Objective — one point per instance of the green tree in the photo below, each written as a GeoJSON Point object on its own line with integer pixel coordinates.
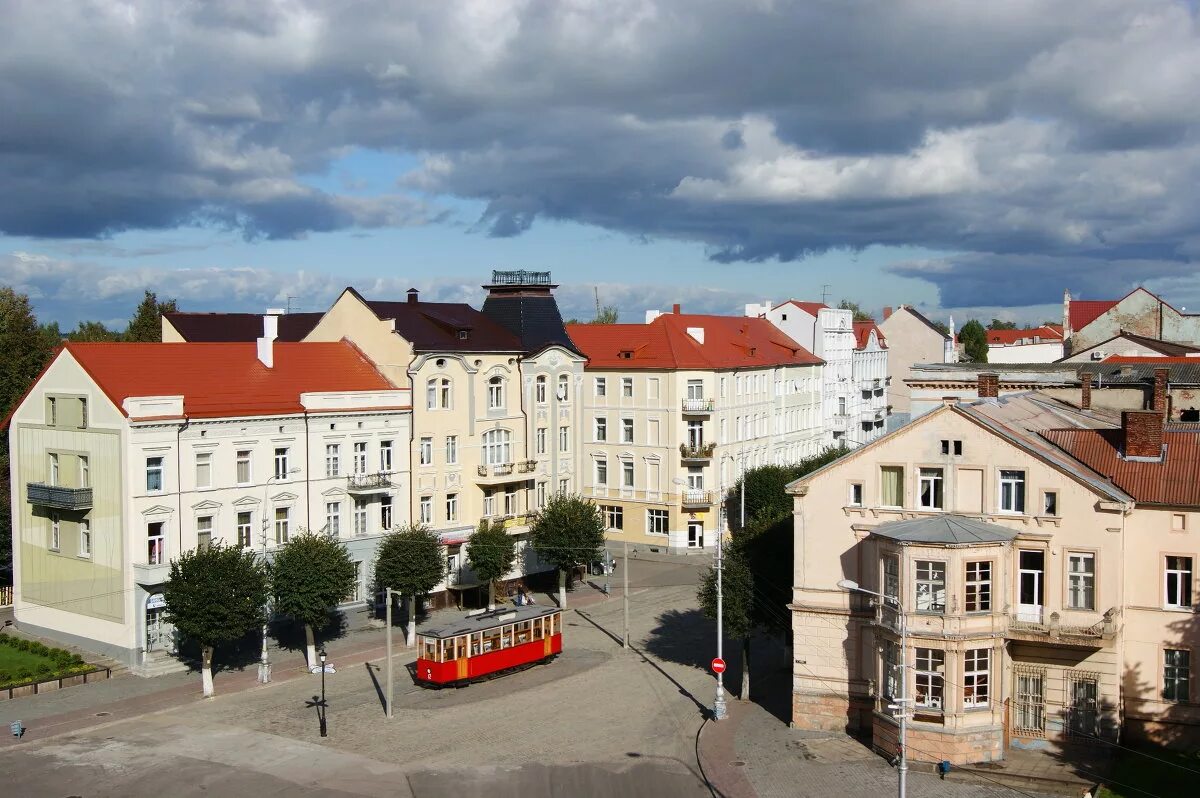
{"type": "Point", "coordinates": [737, 604]}
{"type": "Point", "coordinates": [213, 596]}
{"type": "Point", "coordinates": [607, 315]}
{"type": "Point", "coordinates": [569, 530]}
{"type": "Point", "coordinates": [411, 561]}
{"type": "Point", "coordinates": [766, 494]}
{"type": "Point", "coordinates": [93, 331]}
{"type": "Point", "coordinates": [998, 324]}
{"type": "Point", "coordinates": [859, 313]}
{"type": "Point", "coordinates": [973, 338]}
{"type": "Point", "coordinates": [490, 554]}
{"type": "Point", "coordinates": [311, 574]}
{"type": "Point", "coordinates": [146, 324]}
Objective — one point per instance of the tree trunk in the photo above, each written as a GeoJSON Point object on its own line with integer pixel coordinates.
{"type": "Point", "coordinates": [311, 644]}
{"type": "Point", "coordinates": [206, 670]}
{"type": "Point", "coordinates": [562, 588]}
{"type": "Point", "coordinates": [746, 668]}
{"type": "Point", "coordinates": [411, 639]}
{"type": "Point", "coordinates": [491, 594]}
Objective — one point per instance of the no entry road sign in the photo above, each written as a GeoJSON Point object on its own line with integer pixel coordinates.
{"type": "Point", "coordinates": [718, 665]}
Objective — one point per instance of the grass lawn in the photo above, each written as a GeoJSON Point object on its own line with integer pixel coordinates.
{"type": "Point", "coordinates": [1135, 776]}
{"type": "Point", "coordinates": [12, 660]}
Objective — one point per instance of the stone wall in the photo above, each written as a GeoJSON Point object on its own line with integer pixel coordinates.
{"type": "Point", "coordinates": [933, 745]}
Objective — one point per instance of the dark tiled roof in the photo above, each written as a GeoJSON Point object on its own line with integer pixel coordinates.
{"type": "Point", "coordinates": [234, 327]}
{"type": "Point", "coordinates": [949, 528]}
{"type": "Point", "coordinates": [533, 318]}
{"type": "Point", "coordinates": [436, 327]}
{"type": "Point", "coordinates": [1174, 480]}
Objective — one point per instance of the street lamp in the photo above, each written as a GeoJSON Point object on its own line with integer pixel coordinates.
{"type": "Point", "coordinates": [264, 663]}
{"type": "Point", "coordinates": [901, 705]}
{"type": "Point", "coordinates": [323, 707]}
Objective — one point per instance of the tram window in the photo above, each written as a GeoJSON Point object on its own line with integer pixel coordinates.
{"type": "Point", "coordinates": [522, 630]}
{"type": "Point", "coordinates": [506, 636]}
{"type": "Point", "coordinates": [476, 642]}
{"type": "Point", "coordinates": [429, 649]}
{"type": "Point", "coordinates": [491, 640]}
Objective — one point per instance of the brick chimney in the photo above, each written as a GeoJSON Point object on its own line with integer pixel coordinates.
{"type": "Point", "coordinates": [989, 386]}
{"type": "Point", "coordinates": [1160, 393]}
{"type": "Point", "coordinates": [675, 309]}
{"type": "Point", "coordinates": [1142, 431]}
{"type": "Point", "coordinates": [887, 311]}
{"type": "Point", "coordinates": [1085, 389]}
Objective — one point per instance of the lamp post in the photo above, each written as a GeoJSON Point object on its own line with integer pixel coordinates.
{"type": "Point", "coordinates": [901, 705]}
{"type": "Point", "coordinates": [323, 707]}
{"type": "Point", "coordinates": [264, 663]}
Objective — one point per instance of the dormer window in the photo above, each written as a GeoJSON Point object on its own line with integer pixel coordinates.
{"type": "Point", "coordinates": [462, 334]}
{"type": "Point", "coordinates": [625, 354]}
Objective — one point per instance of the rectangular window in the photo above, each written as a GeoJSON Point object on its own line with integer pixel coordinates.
{"type": "Point", "coordinates": [333, 518]}
{"type": "Point", "coordinates": [51, 411]}
{"type": "Point", "coordinates": [652, 387]}
{"type": "Point", "coordinates": [426, 510]}
{"type": "Point", "coordinates": [601, 386]}
{"type": "Point", "coordinates": [245, 530]}
{"type": "Point", "coordinates": [945, 446]}
{"type": "Point", "coordinates": [892, 672]}
{"type": "Point", "coordinates": [931, 586]}
{"type": "Point", "coordinates": [539, 393]}
{"type": "Point", "coordinates": [564, 439]}
{"type": "Point", "coordinates": [695, 390]}
{"type": "Point", "coordinates": [657, 521]}
{"type": "Point", "coordinates": [489, 504]}
{"type": "Point", "coordinates": [1081, 580]}
{"type": "Point", "coordinates": [243, 467]}
{"type": "Point", "coordinates": [333, 460]}
{"type": "Point", "coordinates": [204, 469]}
{"type": "Point", "coordinates": [601, 429]}
{"type": "Point", "coordinates": [283, 525]}
{"type": "Point", "coordinates": [1177, 674]}
{"type": "Point", "coordinates": [85, 538]}
{"type": "Point", "coordinates": [1178, 582]}
{"type": "Point", "coordinates": [540, 440]}
{"type": "Point", "coordinates": [385, 513]}
{"type": "Point", "coordinates": [614, 516]}
{"type": "Point", "coordinates": [929, 495]}
{"type": "Point", "coordinates": [360, 517]}
{"type": "Point", "coordinates": [891, 576]}
{"type": "Point", "coordinates": [510, 502]}
{"type": "Point", "coordinates": [451, 450]}
{"type": "Point", "coordinates": [154, 474]}
{"type": "Point", "coordinates": [626, 473]}
{"type": "Point", "coordinates": [979, 586]}
{"type": "Point", "coordinates": [204, 531]}
{"type": "Point", "coordinates": [564, 486]}
{"type": "Point", "coordinates": [360, 458]}
{"type": "Point", "coordinates": [85, 472]}
{"type": "Point", "coordinates": [156, 549]}
{"type": "Point", "coordinates": [627, 387]}
{"type": "Point", "coordinates": [930, 677]}
{"type": "Point", "coordinates": [856, 494]}
{"type": "Point", "coordinates": [426, 451]}
{"type": "Point", "coordinates": [1050, 503]}
{"type": "Point", "coordinates": [627, 430]}
{"type": "Point", "coordinates": [281, 463]}
{"type": "Point", "coordinates": [541, 495]}
{"type": "Point", "coordinates": [891, 486]}
{"type": "Point", "coordinates": [385, 457]}
{"type": "Point", "coordinates": [56, 478]}
{"type": "Point", "coordinates": [976, 687]}
{"type": "Point", "coordinates": [1012, 491]}
{"type": "Point", "coordinates": [958, 448]}
{"type": "Point", "coordinates": [452, 506]}
{"type": "Point", "coordinates": [601, 471]}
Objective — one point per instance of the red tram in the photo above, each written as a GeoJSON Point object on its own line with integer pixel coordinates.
{"type": "Point", "coordinates": [488, 644]}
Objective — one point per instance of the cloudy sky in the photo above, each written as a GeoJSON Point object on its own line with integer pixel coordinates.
{"type": "Point", "coordinates": [965, 157]}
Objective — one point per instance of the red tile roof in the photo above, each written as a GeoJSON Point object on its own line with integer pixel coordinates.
{"type": "Point", "coordinates": [227, 379]}
{"type": "Point", "coordinates": [811, 308]}
{"type": "Point", "coordinates": [729, 342]}
{"type": "Point", "coordinates": [862, 334]}
{"type": "Point", "coordinates": [1047, 334]}
{"type": "Point", "coordinates": [1174, 480]}
{"type": "Point", "coordinates": [1084, 312]}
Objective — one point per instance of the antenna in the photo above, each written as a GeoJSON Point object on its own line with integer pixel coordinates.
{"type": "Point", "coordinates": [289, 303]}
{"type": "Point", "coordinates": [596, 291]}
{"type": "Point", "coordinates": [825, 294]}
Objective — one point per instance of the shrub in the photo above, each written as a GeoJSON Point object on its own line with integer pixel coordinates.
{"type": "Point", "coordinates": [76, 659]}
{"type": "Point", "coordinates": [24, 674]}
{"type": "Point", "coordinates": [22, 644]}
{"type": "Point", "coordinates": [6, 640]}
{"type": "Point", "coordinates": [44, 669]}
{"type": "Point", "coordinates": [5, 676]}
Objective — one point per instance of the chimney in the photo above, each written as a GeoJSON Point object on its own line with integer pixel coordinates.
{"type": "Point", "coordinates": [675, 309]}
{"type": "Point", "coordinates": [887, 311]}
{"type": "Point", "coordinates": [266, 344]}
{"type": "Point", "coordinates": [1160, 393]}
{"type": "Point", "coordinates": [1085, 389]}
{"type": "Point", "coordinates": [412, 296]}
{"type": "Point", "coordinates": [1142, 431]}
{"type": "Point", "coordinates": [989, 386]}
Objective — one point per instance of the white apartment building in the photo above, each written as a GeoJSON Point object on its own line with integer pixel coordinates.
{"type": "Point", "coordinates": [673, 410]}
{"type": "Point", "coordinates": [124, 456]}
{"type": "Point", "coordinates": [869, 375]}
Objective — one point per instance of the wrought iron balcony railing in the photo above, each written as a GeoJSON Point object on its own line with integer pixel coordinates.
{"type": "Point", "coordinates": [367, 482]}
{"type": "Point", "coordinates": [698, 405]}
{"type": "Point", "coordinates": [702, 452]}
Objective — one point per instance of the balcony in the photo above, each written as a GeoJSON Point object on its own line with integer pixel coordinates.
{"type": "Point", "coordinates": [526, 467]}
{"type": "Point", "coordinates": [1021, 626]}
{"type": "Point", "coordinates": [369, 483]}
{"type": "Point", "coordinates": [58, 497]}
{"type": "Point", "coordinates": [698, 407]}
{"type": "Point", "coordinates": [872, 416]}
{"type": "Point", "coordinates": [693, 497]}
{"type": "Point", "coordinates": [497, 472]}
{"type": "Point", "coordinates": [839, 422]}
{"type": "Point", "coordinates": [704, 451]}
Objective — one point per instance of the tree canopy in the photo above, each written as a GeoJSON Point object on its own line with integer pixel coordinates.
{"type": "Point", "coordinates": [859, 313]}
{"type": "Point", "coordinates": [568, 530]}
{"type": "Point", "coordinates": [146, 324]}
{"type": "Point", "coordinates": [737, 594]}
{"type": "Point", "coordinates": [607, 315]}
{"type": "Point", "coordinates": [411, 561]}
{"type": "Point", "coordinates": [767, 499]}
{"type": "Point", "coordinates": [998, 324]}
{"type": "Point", "coordinates": [973, 338]}
{"type": "Point", "coordinates": [311, 574]}
{"type": "Point", "coordinates": [491, 552]}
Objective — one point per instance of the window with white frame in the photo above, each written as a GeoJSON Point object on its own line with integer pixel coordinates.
{"type": "Point", "coordinates": [426, 510]}
{"type": "Point", "coordinates": [360, 457]}
{"type": "Point", "coordinates": [204, 532]}
{"type": "Point", "coordinates": [541, 495]}
{"type": "Point", "coordinates": [437, 394]}
{"type": "Point", "coordinates": [929, 493]}
{"type": "Point", "coordinates": [563, 394]}
{"type": "Point", "coordinates": [333, 460]}
{"type": "Point", "coordinates": [614, 516]}
{"type": "Point", "coordinates": [930, 679]}
{"type": "Point", "coordinates": [601, 470]}
{"type": "Point", "coordinates": [1178, 587]}
{"type": "Point", "coordinates": [85, 472]}
{"type": "Point", "coordinates": [243, 468]}
{"type": "Point", "coordinates": [892, 672]}
{"type": "Point", "coordinates": [1177, 674]}
{"type": "Point", "coordinates": [489, 504]}
{"type": "Point", "coordinates": [451, 450]}
{"type": "Point", "coordinates": [385, 457]}
{"type": "Point", "coordinates": [600, 429]}
{"type": "Point", "coordinates": [385, 513]}
{"type": "Point", "coordinates": [891, 576]}
{"type": "Point", "coordinates": [856, 494]}
{"type": "Point", "coordinates": [600, 387]}
{"type": "Point", "coordinates": [627, 473]}
{"type": "Point", "coordinates": [495, 393]}
{"type": "Point", "coordinates": [154, 473]}
{"type": "Point", "coordinates": [203, 469]}
{"type": "Point", "coordinates": [539, 389]}
{"type": "Point", "coordinates": [497, 447]}
{"type": "Point", "coordinates": [451, 506]}
{"type": "Point", "coordinates": [281, 463]}
{"type": "Point", "coordinates": [360, 517]}
{"type": "Point", "coordinates": [657, 522]}
{"type": "Point", "coordinates": [539, 438]}
{"type": "Point", "coordinates": [156, 544]}
{"type": "Point", "coordinates": [283, 525]}
{"type": "Point", "coordinates": [333, 518]}
{"type": "Point", "coordinates": [564, 439]}
{"type": "Point", "coordinates": [976, 674]}
{"type": "Point", "coordinates": [1081, 580]}
{"type": "Point", "coordinates": [931, 586]}
{"type": "Point", "coordinates": [564, 486]}
{"type": "Point", "coordinates": [1012, 491]}
{"type": "Point", "coordinates": [431, 394]}
{"type": "Point", "coordinates": [510, 502]}
{"type": "Point", "coordinates": [245, 529]}
{"type": "Point", "coordinates": [85, 538]}
{"type": "Point", "coordinates": [426, 450]}
{"type": "Point", "coordinates": [627, 387]}
{"type": "Point", "coordinates": [627, 430]}
{"type": "Point", "coordinates": [979, 586]}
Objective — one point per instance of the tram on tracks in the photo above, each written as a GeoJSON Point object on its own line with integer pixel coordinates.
{"type": "Point", "coordinates": [488, 644]}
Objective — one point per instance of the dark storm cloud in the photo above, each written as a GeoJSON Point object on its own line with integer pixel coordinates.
{"type": "Point", "coordinates": [1051, 133]}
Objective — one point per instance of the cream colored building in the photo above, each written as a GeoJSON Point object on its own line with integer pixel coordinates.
{"type": "Point", "coordinates": [124, 456]}
{"type": "Point", "coordinates": [1044, 558]}
{"type": "Point", "coordinates": [912, 339]}
{"type": "Point", "coordinates": [672, 410]}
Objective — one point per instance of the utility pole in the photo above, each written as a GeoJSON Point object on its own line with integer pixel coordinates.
{"type": "Point", "coordinates": [625, 591]}
{"type": "Point", "coordinates": [388, 595]}
{"type": "Point", "coordinates": [719, 704]}
{"type": "Point", "coordinates": [596, 292]}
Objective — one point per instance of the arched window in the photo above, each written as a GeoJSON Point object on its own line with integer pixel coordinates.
{"type": "Point", "coordinates": [431, 395]}
{"type": "Point", "coordinates": [495, 393]}
{"type": "Point", "coordinates": [563, 383]}
{"type": "Point", "coordinates": [444, 393]}
{"type": "Point", "coordinates": [497, 447]}
{"type": "Point", "coordinates": [437, 393]}
{"type": "Point", "coordinates": [540, 390]}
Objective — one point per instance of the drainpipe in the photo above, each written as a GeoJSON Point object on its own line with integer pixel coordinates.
{"type": "Point", "coordinates": [308, 479]}
{"type": "Point", "coordinates": [179, 480]}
